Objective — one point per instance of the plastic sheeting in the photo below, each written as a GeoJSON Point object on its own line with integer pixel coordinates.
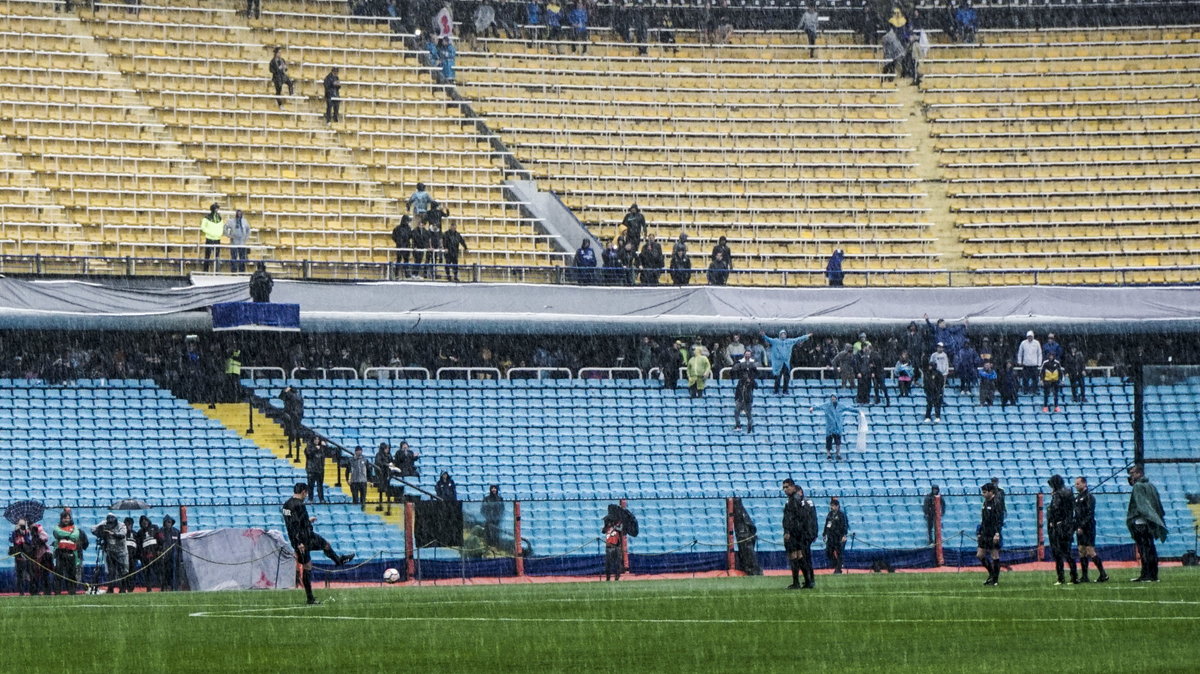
{"type": "Point", "coordinates": [238, 559]}
{"type": "Point", "coordinates": [81, 304]}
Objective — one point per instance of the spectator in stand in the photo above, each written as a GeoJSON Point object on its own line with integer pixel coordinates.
{"type": "Point", "coordinates": [419, 202]}
{"type": "Point", "coordinates": [940, 360]}
{"type": "Point", "coordinates": [723, 33]}
{"type": "Point", "coordinates": [862, 375]}
{"type": "Point", "coordinates": [832, 412]}
{"type": "Point", "coordinates": [760, 353]}
{"type": "Point", "coordinates": [1052, 347]}
{"type": "Point", "coordinates": [534, 13]}
{"type": "Point", "coordinates": [454, 243]}
{"type": "Point", "coordinates": [261, 284]}
{"type": "Point", "coordinates": [953, 337]}
{"type": "Point", "coordinates": [629, 260]}
{"type": "Point", "coordinates": [634, 225]}
{"type": "Point", "coordinates": [671, 359]}
{"type": "Point", "coordinates": [644, 354]}
{"type": "Point", "coordinates": [966, 366]}
{"type": "Point", "coordinates": [492, 511]}
{"type": "Point", "coordinates": [966, 22]}
{"type": "Point", "coordinates": [681, 268]}
{"type": "Point", "coordinates": [680, 243]}
{"type": "Point", "coordinates": [420, 248]}
{"type": "Point", "coordinates": [718, 271]}
{"type": "Point", "coordinates": [833, 269]}
{"type": "Point", "coordinates": [434, 250]}
{"type": "Point", "coordinates": [745, 373]}
{"type": "Point", "coordinates": [402, 237]}
{"type": "Point", "coordinates": [333, 95]}
{"type": "Point", "coordinates": [446, 489]}
{"type": "Point", "coordinates": [733, 352]}
{"type": "Point", "coordinates": [1076, 365]}
{"type": "Point", "coordinates": [358, 478]}
{"type": "Point", "coordinates": [1009, 381]}
{"type": "Point", "coordinates": [447, 58]}
{"type": "Point", "coordinates": [985, 351]}
{"type": "Point", "coordinates": [1052, 374]}
{"type": "Point", "coordinates": [238, 232]}
{"type": "Point", "coordinates": [868, 23]}
{"type": "Point", "coordinates": [915, 343]}
{"type": "Point", "coordinates": [666, 28]}
{"type": "Point", "coordinates": [640, 23]}
{"type": "Point", "coordinates": [554, 19]}
{"type": "Point", "coordinates": [212, 226]}
{"type": "Point", "coordinates": [611, 259]}
{"type": "Point", "coordinates": [405, 461]}
{"type": "Point", "coordinates": [383, 461]}
{"type": "Point", "coordinates": [484, 20]}
{"type": "Point", "coordinates": [1030, 359]}
{"type": "Point", "coordinates": [699, 370]}
{"type": "Point", "coordinates": [935, 389]}
{"type": "Point", "coordinates": [723, 248]}
{"type": "Point", "coordinates": [314, 467]}
{"type": "Point", "coordinates": [929, 509]}
{"type": "Point", "coordinates": [781, 356]}
{"type": "Point", "coordinates": [578, 18]}
{"type": "Point", "coordinates": [862, 342]}
{"type": "Point", "coordinates": [904, 373]}
{"type": "Point", "coordinates": [894, 52]}
{"type": "Point", "coordinates": [843, 365]}
{"type": "Point", "coordinates": [253, 8]}
{"type": "Point", "coordinates": [651, 261]}
{"type": "Point", "coordinates": [280, 77]}
{"type": "Point", "coordinates": [949, 24]}
{"type": "Point", "coordinates": [810, 23]}
{"type": "Point", "coordinates": [987, 383]}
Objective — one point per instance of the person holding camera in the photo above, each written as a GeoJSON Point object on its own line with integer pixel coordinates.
{"type": "Point", "coordinates": [147, 542]}
{"type": "Point", "coordinates": [69, 544]}
{"type": "Point", "coordinates": [28, 543]}
{"type": "Point", "coordinates": [111, 534]}
{"type": "Point", "coordinates": [304, 540]}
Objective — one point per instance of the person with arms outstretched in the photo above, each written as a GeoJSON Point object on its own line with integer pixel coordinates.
{"type": "Point", "coordinates": [781, 356]}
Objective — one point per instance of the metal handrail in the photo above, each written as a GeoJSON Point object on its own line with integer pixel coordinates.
{"type": "Point", "coordinates": [396, 371]}
{"type": "Point", "coordinates": [468, 371]}
{"type": "Point", "coordinates": [610, 371]}
{"type": "Point", "coordinates": [538, 371]}
{"type": "Point", "coordinates": [264, 368]}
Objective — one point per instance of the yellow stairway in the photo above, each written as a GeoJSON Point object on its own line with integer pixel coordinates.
{"type": "Point", "coordinates": [270, 436]}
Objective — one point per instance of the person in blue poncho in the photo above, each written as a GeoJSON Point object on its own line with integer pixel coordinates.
{"type": "Point", "coordinates": [781, 356]}
{"type": "Point", "coordinates": [834, 428]}
{"type": "Point", "coordinates": [833, 268]}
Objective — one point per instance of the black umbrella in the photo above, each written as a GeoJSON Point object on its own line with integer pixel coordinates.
{"type": "Point", "coordinates": [130, 504]}
{"type": "Point", "coordinates": [30, 511]}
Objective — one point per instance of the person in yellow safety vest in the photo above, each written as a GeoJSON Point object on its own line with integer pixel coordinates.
{"type": "Point", "coordinates": [213, 228]}
{"type": "Point", "coordinates": [233, 364]}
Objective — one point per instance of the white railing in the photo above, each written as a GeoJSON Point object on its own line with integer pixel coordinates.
{"type": "Point", "coordinates": [469, 371]}
{"type": "Point", "coordinates": [325, 371]}
{"type": "Point", "coordinates": [609, 372]}
{"type": "Point", "coordinates": [395, 372]}
{"type": "Point", "coordinates": [537, 372]}
{"type": "Point", "coordinates": [251, 372]}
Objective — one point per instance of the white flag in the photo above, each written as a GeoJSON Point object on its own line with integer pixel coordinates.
{"type": "Point", "coordinates": [860, 444]}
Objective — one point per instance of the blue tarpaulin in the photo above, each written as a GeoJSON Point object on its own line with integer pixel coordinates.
{"type": "Point", "coordinates": [255, 316]}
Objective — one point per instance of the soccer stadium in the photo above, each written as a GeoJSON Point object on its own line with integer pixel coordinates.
{"type": "Point", "coordinates": [629, 335]}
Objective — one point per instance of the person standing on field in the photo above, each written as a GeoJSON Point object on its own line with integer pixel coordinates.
{"type": "Point", "coordinates": [991, 522]}
{"type": "Point", "coordinates": [799, 531]}
{"type": "Point", "coordinates": [837, 529]}
{"type": "Point", "coordinates": [1060, 525]}
{"type": "Point", "coordinates": [1085, 530]}
{"type": "Point", "coordinates": [1145, 521]}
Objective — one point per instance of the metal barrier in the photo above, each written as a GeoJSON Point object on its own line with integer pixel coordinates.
{"type": "Point", "coordinates": [325, 372]}
{"type": "Point", "coordinates": [609, 372]}
{"type": "Point", "coordinates": [251, 372]}
{"type": "Point", "coordinates": [536, 372]}
{"type": "Point", "coordinates": [396, 371]}
{"type": "Point", "coordinates": [467, 372]}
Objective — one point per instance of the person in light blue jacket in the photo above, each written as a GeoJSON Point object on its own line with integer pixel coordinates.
{"type": "Point", "coordinates": [781, 356]}
{"type": "Point", "coordinates": [834, 428]}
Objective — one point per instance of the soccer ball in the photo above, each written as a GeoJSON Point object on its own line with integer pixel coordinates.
{"type": "Point", "coordinates": [391, 576]}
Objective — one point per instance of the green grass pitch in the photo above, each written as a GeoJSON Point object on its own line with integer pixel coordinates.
{"type": "Point", "coordinates": [938, 622]}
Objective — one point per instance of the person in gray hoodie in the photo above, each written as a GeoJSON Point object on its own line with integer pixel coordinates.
{"type": "Point", "coordinates": [237, 230]}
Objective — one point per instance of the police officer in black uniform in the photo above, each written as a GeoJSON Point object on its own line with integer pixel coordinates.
{"type": "Point", "coordinates": [1060, 525]}
{"type": "Point", "coordinates": [991, 522]}
{"type": "Point", "coordinates": [1085, 530]}
{"type": "Point", "coordinates": [799, 531]}
{"type": "Point", "coordinates": [837, 527]}
{"type": "Point", "coordinates": [304, 540]}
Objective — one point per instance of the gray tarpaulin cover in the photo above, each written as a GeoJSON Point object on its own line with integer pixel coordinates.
{"type": "Point", "coordinates": [96, 299]}
{"type": "Point", "coordinates": [238, 559]}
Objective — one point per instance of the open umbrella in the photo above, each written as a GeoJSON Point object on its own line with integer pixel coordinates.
{"type": "Point", "coordinates": [30, 511]}
{"type": "Point", "coordinates": [130, 504]}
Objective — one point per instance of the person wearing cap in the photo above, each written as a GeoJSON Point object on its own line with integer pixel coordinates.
{"type": "Point", "coordinates": [1030, 359]}
{"type": "Point", "coordinates": [745, 373]}
{"type": "Point", "coordinates": [111, 535]}
{"type": "Point", "coordinates": [781, 356]}
{"type": "Point", "coordinates": [169, 550]}
{"type": "Point", "coordinates": [940, 359]}
{"type": "Point", "coordinates": [1060, 525]}
{"type": "Point", "coordinates": [304, 540]}
{"type": "Point", "coordinates": [832, 412]}
{"type": "Point", "coordinates": [837, 528]}
{"type": "Point", "coordinates": [212, 227]}
{"type": "Point", "coordinates": [1052, 347]}
{"type": "Point", "coordinates": [991, 523]}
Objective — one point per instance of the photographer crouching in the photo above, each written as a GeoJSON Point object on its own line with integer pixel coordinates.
{"type": "Point", "coordinates": [111, 536]}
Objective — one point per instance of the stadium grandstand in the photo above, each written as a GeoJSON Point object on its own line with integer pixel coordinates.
{"type": "Point", "coordinates": [434, 305]}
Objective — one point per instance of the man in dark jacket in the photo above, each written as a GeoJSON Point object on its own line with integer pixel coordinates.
{"type": "Point", "coordinates": [280, 78]}
{"type": "Point", "coordinates": [1144, 519]}
{"type": "Point", "coordinates": [492, 511]}
{"type": "Point", "coordinates": [1061, 527]}
{"type": "Point", "coordinates": [1009, 380]}
{"type": "Point", "coordinates": [1052, 376]}
{"type": "Point", "coordinates": [718, 271]}
{"type": "Point", "coordinates": [168, 546]}
{"type": "Point", "coordinates": [629, 260]}
{"type": "Point", "coordinates": [745, 373]}
{"type": "Point", "coordinates": [935, 389]}
{"type": "Point", "coordinates": [723, 249]}
{"type": "Point", "coordinates": [420, 249]}
{"type": "Point", "coordinates": [304, 540]}
{"type": "Point", "coordinates": [837, 528]}
{"type": "Point", "coordinates": [991, 522]}
{"type": "Point", "coordinates": [333, 94]}
{"type": "Point", "coordinates": [1076, 367]}
{"type": "Point", "coordinates": [383, 472]}
{"type": "Point", "coordinates": [1085, 530]}
{"type": "Point", "coordinates": [402, 237]}
{"type": "Point", "coordinates": [453, 242]}
{"type": "Point", "coordinates": [929, 507]}
{"type": "Point", "coordinates": [635, 226]}
{"type": "Point", "coordinates": [799, 531]}
{"type": "Point", "coordinates": [681, 268]}
{"type": "Point", "coordinates": [446, 489]}
{"type": "Point", "coordinates": [833, 269]}
{"type": "Point", "coordinates": [585, 264]}
{"type": "Point", "coordinates": [293, 412]}
{"type": "Point", "coordinates": [314, 466]}
{"type": "Point", "coordinates": [651, 262]}
{"type": "Point", "coordinates": [261, 284]}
